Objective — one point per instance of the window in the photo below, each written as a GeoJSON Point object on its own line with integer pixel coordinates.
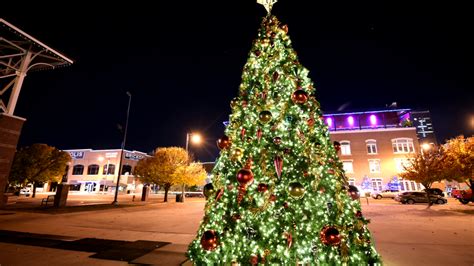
{"type": "Point", "coordinates": [93, 169]}
{"type": "Point", "coordinates": [377, 184]}
{"type": "Point", "coordinates": [126, 169]}
{"type": "Point", "coordinates": [401, 163]}
{"type": "Point", "coordinates": [404, 145]}
{"type": "Point", "coordinates": [352, 181]}
{"type": "Point", "coordinates": [110, 170]}
{"type": "Point", "coordinates": [371, 146]}
{"type": "Point", "coordinates": [374, 166]}
{"type": "Point", "coordinates": [408, 185]}
{"type": "Point", "coordinates": [347, 166]}
{"type": "Point", "coordinates": [345, 148]}
{"type": "Point", "coordinates": [78, 169]}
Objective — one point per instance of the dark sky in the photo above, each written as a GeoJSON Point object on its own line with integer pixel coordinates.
{"type": "Point", "coordinates": [183, 61]}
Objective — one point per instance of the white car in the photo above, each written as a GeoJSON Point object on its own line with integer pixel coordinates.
{"type": "Point", "coordinates": [25, 191]}
{"type": "Point", "coordinates": [384, 194]}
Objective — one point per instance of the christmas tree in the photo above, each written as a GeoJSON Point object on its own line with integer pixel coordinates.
{"type": "Point", "coordinates": [278, 193]}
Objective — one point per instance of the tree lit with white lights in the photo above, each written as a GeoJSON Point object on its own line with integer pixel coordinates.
{"type": "Point", "coordinates": [279, 195]}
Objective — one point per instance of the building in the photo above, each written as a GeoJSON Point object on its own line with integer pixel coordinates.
{"type": "Point", "coordinates": [375, 146]}
{"type": "Point", "coordinates": [96, 171]}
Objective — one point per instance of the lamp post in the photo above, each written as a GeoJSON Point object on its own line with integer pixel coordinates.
{"type": "Point", "coordinates": [196, 139]}
{"type": "Point", "coordinates": [115, 202]}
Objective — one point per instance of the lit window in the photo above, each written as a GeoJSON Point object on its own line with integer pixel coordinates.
{"type": "Point", "coordinates": [347, 165]}
{"type": "Point", "coordinates": [377, 184]}
{"type": "Point", "coordinates": [109, 169]}
{"type": "Point", "coordinates": [126, 169]}
{"type": "Point", "coordinates": [93, 169]}
{"type": "Point", "coordinates": [403, 145]}
{"type": "Point", "coordinates": [345, 148]}
{"type": "Point", "coordinates": [371, 146]}
{"type": "Point", "coordinates": [78, 169]}
{"type": "Point", "coordinates": [374, 166]}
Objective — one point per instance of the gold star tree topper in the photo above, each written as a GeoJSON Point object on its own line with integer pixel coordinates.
{"type": "Point", "coordinates": [268, 4]}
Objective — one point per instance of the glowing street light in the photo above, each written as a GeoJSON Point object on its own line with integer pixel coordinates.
{"type": "Point", "coordinates": [426, 146]}
{"type": "Point", "coordinates": [195, 139]}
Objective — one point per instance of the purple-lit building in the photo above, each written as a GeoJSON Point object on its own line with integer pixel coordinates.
{"type": "Point", "coordinates": [375, 146]}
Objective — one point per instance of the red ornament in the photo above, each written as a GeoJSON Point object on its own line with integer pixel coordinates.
{"type": "Point", "coordinates": [219, 194]}
{"type": "Point", "coordinates": [331, 171]}
{"type": "Point", "coordinates": [244, 177]}
{"type": "Point", "coordinates": [259, 134]}
{"type": "Point", "coordinates": [278, 162]}
{"type": "Point", "coordinates": [305, 174]}
{"type": "Point", "coordinates": [285, 205]}
{"type": "Point", "coordinates": [254, 260]}
{"type": "Point", "coordinates": [330, 236]}
{"type": "Point", "coordinates": [244, 104]}
{"type": "Point", "coordinates": [262, 187]}
{"type": "Point", "coordinates": [273, 197]}
{"type": "Point", "coordinates": [310, 122]}
{"type": "Point", "coordinates": [242, 133]}
{"type": "Point", "coordinates": [275, 76]}
{"type": "Point", "coordinates": [359, 214]}
{"type": "Point", "coordinates": [209, 240]}
{"type": "Point", "coordinates": [289, 239]}
{"type": "Point", "coordinates": [236, 217]}
{"type": "Point", "coordinates": [224, 142]}
{"type": "Point", "coordinates": [257, 53]}
{"type": "Point", "coordinates": [299, 97]}
{"type": "Point", "coordinates": [353, 192]}
{"type": "Point", "coordinates": [277, 140]}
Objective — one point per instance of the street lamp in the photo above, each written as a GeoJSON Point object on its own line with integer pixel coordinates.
{"type": "Point", "coordinates": [195, 139]}
{"type": "Point", "coordinates": [115, 202]}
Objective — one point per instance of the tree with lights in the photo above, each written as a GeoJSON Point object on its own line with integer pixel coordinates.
{"type": "Point", "coordinates": [279, 195]}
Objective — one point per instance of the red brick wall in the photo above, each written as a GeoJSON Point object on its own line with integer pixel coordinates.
{"type": "Point", "coordinates": [360, 157]}
{"type": "Point", "coordinates": [10, 129]}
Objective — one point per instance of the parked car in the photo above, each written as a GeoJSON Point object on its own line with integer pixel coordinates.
{"type": "Point", "coordinates": [419, 197]}
{"type": "Point", "coordinates": [384, 194]}
{"type": "Point", "coordinates": [25, 191]}
{"type": "Point", "coordinates": [464, 196]}
{"type": "Point", "coordinates": [190, 194]}
{"type": "Point", "coordinates": [435, 191]}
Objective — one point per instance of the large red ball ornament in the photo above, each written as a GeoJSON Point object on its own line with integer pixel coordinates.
{"type": "Point", "coordinates": [299, 96]}
{"type": "Point", "coordinates": [224, 142]}
{"type": "Point", "coordinates": [330, 236]}
{"type": "Point", "coordinates": [209, 240]}
{"type": "Point", "coordinates": [353, 192]}
{"type": "Point", "coordinates": [244, 177]}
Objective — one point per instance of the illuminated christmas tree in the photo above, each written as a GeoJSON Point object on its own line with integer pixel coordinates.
{"type": "Point", "coordinates": [279, 194]}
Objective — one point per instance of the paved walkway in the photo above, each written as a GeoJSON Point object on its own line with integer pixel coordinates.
{"type": "Point", "coordinates": [404, 235]}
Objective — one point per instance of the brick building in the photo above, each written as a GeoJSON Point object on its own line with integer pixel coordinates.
{"type": "Point", "coordinates": [374, 147]}
{"type": "Point", "coordinates": [95, 171]}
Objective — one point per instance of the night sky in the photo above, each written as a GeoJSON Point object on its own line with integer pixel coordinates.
{"type": "Point", "coordinates": [182, 63]}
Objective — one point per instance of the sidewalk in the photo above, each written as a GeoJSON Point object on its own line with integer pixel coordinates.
{"type": "Point", "coordinates": [129, 230]}
{"type": "Point", "coordinates": [403, 234]}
